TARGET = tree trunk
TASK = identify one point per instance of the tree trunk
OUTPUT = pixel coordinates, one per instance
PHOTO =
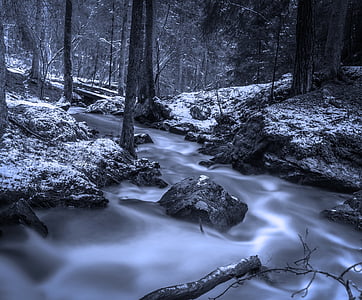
(148, 52)
(123, 50)
(334, 43)
(276, 57)
(111, 49)
(303, 68)
(193, 290)
(146, 108)
(35, 65)
(135, 52)
(3, 108)
(68, 80)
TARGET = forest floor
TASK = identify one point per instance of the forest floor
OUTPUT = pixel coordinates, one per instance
(52, 160)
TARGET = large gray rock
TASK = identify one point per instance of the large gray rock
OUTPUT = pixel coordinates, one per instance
(306, 139)
(199, 199)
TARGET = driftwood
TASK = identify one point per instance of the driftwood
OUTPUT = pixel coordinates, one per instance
(195, 289)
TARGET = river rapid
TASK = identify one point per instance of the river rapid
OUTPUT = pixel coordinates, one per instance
(132, 247)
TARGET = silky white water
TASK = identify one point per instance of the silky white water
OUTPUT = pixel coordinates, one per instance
(131, 247)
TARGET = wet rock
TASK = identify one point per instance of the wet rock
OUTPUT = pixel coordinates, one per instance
(151, 111)
(146, 173)
(350, 212)
(183, 128)
(142, 138)
(199, 199)
(200, 112)
(111, 105)
(20, 212)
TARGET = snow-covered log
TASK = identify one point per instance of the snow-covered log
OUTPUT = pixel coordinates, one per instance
(195, 289)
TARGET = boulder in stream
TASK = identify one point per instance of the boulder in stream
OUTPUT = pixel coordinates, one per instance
(350, 212)
(199, 199)
(20, 212)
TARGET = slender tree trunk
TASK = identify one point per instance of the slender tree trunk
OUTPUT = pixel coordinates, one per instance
(148, 52)
(303, 68)
(3, 108)
(334, 43)
(276, 57)
(95, 65)
(123, 50)
(135, 52)
(111, 49)
(35, 66)
(68, 80)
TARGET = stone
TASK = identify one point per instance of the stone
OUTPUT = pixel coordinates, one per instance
(183, 128)
(350, 212)
(199, 199)
(20, 212)
(111, 105)
(200, 112)
(142, 138)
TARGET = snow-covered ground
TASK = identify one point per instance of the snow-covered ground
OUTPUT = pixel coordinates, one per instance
(52, 160)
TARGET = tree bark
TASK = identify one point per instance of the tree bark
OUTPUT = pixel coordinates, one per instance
(334, 43)
(68, 80)
(303, 68)
(123, 50)
(35, 65)
(3, 108)
(111, 48)
(195, 289)
(135, 52)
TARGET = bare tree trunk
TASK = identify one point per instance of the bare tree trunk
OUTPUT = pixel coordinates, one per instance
(303, 69)
(148, 52)
(135, 52)
(276, 57)
(334, 43)
(68, 80)
(193, 290)
(111, 49)
(123, 50)
(35, 65)
(3, 108)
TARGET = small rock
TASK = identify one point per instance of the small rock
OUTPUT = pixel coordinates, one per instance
(200, 112)
(199, 199)
(142, 138)
(182, 128)
(350, 212)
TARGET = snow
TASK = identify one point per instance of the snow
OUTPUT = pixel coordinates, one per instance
(229, 100)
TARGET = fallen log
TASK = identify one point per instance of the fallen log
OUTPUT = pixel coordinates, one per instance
(195, 289)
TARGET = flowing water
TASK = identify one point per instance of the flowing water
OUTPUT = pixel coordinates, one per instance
(132, 247)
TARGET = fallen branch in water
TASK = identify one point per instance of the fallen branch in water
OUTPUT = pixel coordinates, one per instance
(195, 289)
(303, 267)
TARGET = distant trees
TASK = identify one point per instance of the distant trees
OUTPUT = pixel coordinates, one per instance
(303, 68)
(3, 108)
(67, 52)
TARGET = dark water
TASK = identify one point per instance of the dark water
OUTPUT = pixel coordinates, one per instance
(132, 247)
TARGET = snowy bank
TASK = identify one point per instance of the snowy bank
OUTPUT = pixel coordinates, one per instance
(51, 160)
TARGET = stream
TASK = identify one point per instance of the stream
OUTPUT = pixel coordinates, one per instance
(132, 247)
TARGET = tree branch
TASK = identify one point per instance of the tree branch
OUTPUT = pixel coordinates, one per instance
(197, 288)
